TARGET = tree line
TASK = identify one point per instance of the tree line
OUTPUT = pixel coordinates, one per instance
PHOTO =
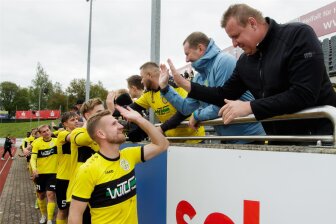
(52, 97)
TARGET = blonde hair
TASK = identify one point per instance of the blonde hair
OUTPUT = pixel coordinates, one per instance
(93, 123)
(90, 104)
(42, 126)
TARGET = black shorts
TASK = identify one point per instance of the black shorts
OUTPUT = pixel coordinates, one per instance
(45, 182)
(61, 189)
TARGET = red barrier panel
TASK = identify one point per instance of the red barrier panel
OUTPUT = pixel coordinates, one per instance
(43, 114)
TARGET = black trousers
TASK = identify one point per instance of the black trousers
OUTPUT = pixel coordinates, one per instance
(7, 149)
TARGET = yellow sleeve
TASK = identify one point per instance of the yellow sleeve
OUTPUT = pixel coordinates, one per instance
(33, 161)
(81, 138)
(181, 92)
(57, 132)
(142, 101)
(134, 154)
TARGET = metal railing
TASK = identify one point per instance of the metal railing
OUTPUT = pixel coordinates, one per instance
(312, 113)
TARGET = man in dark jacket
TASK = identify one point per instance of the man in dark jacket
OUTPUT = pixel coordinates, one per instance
(282, 66)
(7, 147)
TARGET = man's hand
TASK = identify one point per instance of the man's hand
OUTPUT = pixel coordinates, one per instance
(233, 109)
(34, 174)
(178, 79)
(193, 124)
(160, 129)
(27, 151)
(129, 114)
(164, 76)
(110, 101)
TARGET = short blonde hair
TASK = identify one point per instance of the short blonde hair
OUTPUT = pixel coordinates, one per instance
(90, 104)
(42, 126)
(93, 123)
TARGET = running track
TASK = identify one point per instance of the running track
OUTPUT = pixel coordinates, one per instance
(5, 167)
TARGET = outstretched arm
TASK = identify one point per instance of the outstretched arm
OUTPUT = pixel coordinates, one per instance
(231, 90)
(173, 121)
(179, 80)
(158, 142)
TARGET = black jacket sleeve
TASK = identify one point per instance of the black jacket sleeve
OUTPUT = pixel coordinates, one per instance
(231, 90)
(173, 121)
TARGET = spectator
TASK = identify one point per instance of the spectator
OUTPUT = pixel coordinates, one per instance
(79, 104)
(214, 69)
(93, 186)
(135, 87)
(8, 147)
(282, 66)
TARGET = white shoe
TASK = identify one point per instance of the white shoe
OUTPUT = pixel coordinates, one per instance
(2, 158)
(43, 219)
(12, 158)
(49, 222)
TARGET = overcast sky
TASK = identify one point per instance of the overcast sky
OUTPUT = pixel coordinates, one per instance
(55, 33)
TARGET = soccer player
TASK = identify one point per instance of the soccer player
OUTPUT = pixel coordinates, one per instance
(107, 180)
(82, 146)
(43, 162)
(69, 121)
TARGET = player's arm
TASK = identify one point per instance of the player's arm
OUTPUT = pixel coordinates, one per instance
(158, 142)
(173, 121)
(33, 161)
(76, 211)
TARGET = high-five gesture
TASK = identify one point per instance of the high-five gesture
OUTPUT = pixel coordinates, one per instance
(178, 79)
(164, 76)
(110, 101)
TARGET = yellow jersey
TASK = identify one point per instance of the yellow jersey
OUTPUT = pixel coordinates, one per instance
(64, 156)
(44, 156)
(164, 110)
(82, 148)
(109, 186)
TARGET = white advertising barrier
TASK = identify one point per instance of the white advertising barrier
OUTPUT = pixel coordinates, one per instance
(222, 186)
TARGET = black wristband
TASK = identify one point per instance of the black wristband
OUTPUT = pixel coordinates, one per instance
(164, 90)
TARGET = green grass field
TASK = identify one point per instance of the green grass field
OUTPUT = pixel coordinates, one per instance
(20, 129)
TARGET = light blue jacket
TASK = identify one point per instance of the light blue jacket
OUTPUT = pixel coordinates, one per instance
(214, 68)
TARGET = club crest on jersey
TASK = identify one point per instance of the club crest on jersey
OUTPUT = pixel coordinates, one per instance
(164, 100)
(124, 164)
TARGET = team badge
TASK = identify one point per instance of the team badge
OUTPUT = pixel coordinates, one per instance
(124, 164)
(164, 100)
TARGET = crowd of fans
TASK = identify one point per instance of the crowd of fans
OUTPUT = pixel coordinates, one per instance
(79, 166)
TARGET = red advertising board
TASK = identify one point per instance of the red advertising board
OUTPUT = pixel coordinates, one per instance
(322, 20)
(43, 114)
